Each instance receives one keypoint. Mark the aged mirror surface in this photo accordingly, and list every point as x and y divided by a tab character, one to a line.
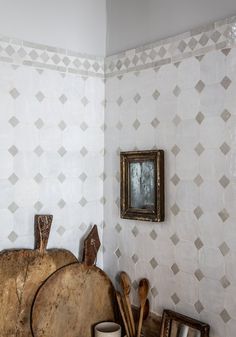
177	325
142	185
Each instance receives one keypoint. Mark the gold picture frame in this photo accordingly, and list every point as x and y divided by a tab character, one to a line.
142	185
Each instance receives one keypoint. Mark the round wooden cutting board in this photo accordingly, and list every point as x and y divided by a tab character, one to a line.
71	301
22	271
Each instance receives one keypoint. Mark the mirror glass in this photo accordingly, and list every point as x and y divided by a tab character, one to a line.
181	330
142	184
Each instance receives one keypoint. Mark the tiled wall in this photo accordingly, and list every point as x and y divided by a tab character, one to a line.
51	149
187	107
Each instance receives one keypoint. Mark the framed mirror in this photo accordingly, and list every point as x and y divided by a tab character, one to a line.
177	325
142	185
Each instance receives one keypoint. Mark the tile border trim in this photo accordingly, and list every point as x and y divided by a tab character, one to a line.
214	36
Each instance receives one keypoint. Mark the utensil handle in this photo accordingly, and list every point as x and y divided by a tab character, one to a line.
42	230
118	296
127	315
130	312
140	321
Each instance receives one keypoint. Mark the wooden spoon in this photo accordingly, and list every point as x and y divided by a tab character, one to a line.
146	310
143	289
126	287
120	304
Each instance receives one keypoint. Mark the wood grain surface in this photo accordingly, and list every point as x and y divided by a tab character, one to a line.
72	301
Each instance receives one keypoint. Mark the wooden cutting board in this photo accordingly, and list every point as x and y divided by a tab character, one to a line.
21	273
72	301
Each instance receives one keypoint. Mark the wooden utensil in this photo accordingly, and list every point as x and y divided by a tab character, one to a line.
146	310
91	246
71	301
143	289
126	287
122	312
22	271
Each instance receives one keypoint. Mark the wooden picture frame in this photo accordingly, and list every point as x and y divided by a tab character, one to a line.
142	185
172	321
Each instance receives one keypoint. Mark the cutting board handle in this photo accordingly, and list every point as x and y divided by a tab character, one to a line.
42	225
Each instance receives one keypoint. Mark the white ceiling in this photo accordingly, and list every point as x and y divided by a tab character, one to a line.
104	27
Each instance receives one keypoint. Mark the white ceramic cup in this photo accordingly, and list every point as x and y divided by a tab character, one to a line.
107	329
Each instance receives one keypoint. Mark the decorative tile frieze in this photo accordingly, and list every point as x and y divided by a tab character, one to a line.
220	35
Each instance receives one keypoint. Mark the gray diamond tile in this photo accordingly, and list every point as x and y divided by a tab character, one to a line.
33	55
120	101
118	228
177	91
13	179
175	150
198	212
84	151
225	115
83	202
156	95
103	201
21	52
40	96
83	126
135	231
200	117
136	124
62	151
224	181
198	180
153	263
118	253
13	150
203	40
199	149
175	298
175	209
182	46
155	122
61	230
225	316
224	249
224	282
119	125
82	227
13	207
13	121
56	59
83	177
175	268
38	151
14	93
10	50
225	148
137	98
175	179
61	177
38	178
12	236
226	82
199	275
84	101
135	258
61	203
176	120
223	214
198	243
215	36
199	307
192	43
39	123
153	234
200	86
154	292
175	239
63	99
38	206
62	125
